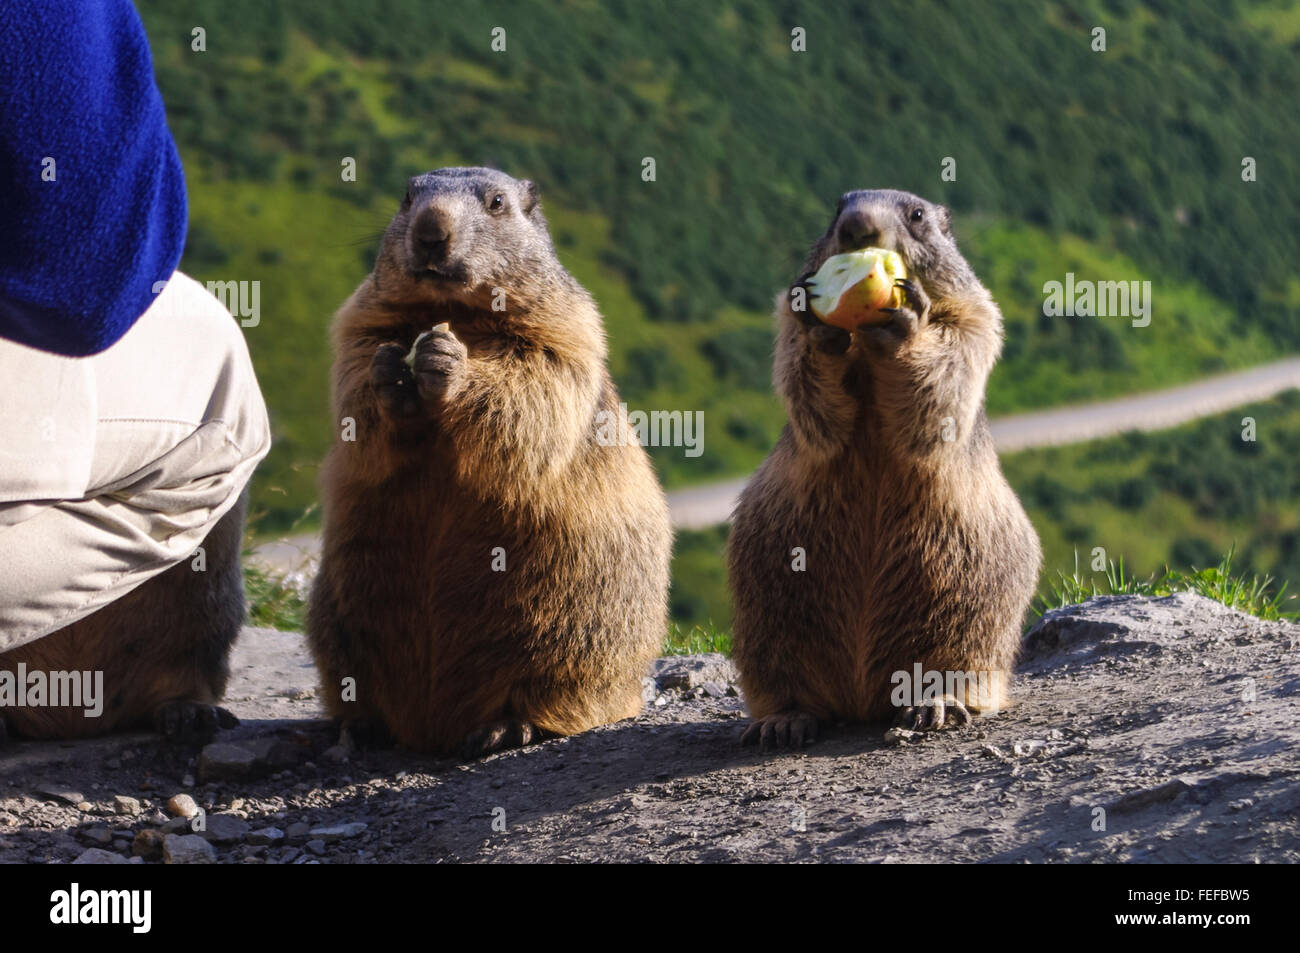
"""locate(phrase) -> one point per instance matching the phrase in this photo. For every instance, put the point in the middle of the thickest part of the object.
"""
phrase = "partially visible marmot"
(163, 649)
(880, 534)
(493, 568)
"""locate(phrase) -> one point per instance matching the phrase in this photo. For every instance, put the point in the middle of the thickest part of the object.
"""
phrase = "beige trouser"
(114, 467)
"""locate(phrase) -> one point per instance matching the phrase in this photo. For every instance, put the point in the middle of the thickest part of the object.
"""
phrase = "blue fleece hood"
(92, 194)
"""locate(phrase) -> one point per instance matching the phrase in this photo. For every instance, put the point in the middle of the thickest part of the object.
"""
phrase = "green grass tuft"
(274, 600)
(1249, 594)
(697, 639)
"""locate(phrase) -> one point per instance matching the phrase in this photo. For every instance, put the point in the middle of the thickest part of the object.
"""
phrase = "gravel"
(1144, 730)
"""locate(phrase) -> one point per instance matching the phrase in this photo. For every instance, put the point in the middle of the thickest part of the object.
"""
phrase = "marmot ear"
(945, 219)
(530, 194)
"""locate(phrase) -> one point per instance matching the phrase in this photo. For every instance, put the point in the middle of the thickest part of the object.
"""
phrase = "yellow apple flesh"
(850, 290)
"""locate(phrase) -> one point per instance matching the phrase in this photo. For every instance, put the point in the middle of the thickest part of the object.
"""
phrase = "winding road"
(703, 506)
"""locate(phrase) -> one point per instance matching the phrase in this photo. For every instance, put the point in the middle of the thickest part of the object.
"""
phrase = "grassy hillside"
(1122, 165)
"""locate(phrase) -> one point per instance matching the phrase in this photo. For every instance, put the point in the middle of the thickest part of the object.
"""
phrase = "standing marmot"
(886, 491)
(491, 569)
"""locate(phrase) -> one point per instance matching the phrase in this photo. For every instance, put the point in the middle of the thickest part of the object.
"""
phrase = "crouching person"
(130, 417)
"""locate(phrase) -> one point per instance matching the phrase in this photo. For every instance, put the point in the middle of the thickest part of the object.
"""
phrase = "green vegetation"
(1254, 595)
(274, 600)
(1123, 165)
(696, 639)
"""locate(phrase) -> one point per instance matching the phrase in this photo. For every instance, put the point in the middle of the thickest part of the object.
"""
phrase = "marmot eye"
(918, 214)
(498, 203)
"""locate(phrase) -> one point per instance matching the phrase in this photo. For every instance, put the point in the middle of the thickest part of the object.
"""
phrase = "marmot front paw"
(438, 363)
(905, 321)
(191, 722)
(825, 338)
(393, 381)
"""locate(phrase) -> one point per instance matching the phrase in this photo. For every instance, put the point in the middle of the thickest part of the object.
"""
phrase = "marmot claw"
(933, 715)
(786, 729)
(190, 721)
(914, 297)
(498, 735)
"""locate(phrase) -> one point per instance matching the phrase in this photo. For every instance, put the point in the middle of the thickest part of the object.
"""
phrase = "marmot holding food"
(494, 565)
(880, 534)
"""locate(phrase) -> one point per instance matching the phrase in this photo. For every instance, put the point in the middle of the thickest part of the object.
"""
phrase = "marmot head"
(920, 231)
(463, 233)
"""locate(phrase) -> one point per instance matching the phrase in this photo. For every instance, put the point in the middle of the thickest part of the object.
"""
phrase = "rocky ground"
(1146, 730)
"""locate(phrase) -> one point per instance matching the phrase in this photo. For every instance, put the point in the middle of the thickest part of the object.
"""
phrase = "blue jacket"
(92, 195)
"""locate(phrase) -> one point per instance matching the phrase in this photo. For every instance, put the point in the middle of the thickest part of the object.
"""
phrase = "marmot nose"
(430, 238)
(857, 229)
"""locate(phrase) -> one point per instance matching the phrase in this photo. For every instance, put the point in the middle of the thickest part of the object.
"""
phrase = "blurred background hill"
(1122, 165)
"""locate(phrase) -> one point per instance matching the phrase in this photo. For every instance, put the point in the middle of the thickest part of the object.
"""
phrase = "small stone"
(1138, 800)
(188, 849)
(297, 831)
(148, 844)
(1025, 749)
(992, 751)
(316, 847)
(336, 754)
(237, 804)
(225, 828)
(338, 832)
(97, 835)
(714, 689)
(224, 760)
(176, 825)
(97, 855)
(62, 794)
(187, 781)
(85, 806)
(125, 805)
(182, 805)
(266, 836)
(682, 672)
(898, 736)
(289, 855)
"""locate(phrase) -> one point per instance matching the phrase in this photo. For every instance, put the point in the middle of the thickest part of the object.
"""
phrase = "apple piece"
(851, 289)
(410, 355)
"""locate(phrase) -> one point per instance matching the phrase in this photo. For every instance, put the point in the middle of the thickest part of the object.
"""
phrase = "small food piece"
(410, 355)
(851, 289)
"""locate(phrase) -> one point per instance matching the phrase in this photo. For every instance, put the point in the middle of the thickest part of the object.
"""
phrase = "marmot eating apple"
(492, 569)
(880, 534)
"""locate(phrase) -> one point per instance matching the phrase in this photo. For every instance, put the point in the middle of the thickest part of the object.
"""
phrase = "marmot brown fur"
(163, 649)
(491, 569)
(880, 534)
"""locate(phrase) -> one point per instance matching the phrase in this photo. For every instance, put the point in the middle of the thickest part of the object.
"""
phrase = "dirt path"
(1134, 707)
